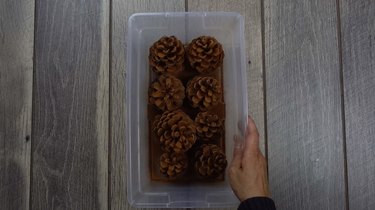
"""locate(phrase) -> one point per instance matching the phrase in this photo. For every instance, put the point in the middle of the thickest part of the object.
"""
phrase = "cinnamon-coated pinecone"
(205, 54)
(210, 161)
(167, 93)
(173, 164)
(176, 131)
(204, 92)
(167, 55)
(209, 125)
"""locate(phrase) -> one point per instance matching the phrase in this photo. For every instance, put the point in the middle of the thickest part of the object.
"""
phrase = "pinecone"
(173, 164)
(167, 55)
(176, 131)
(208, 125)
(167, 93)
(203, 92)
(210, 161)
(205, 54)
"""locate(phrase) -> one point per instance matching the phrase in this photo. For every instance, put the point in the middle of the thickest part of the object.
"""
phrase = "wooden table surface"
(311, 84)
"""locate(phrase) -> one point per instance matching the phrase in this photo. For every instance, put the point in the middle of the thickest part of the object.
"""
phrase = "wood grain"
(121, 11)
(16, 76)
(358, 57)
(304, 121)
(251, 12)
(70, 105)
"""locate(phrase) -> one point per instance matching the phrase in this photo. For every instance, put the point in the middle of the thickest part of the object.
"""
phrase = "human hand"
(248, 169)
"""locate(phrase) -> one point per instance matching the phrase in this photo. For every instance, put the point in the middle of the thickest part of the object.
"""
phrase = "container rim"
(134, 197)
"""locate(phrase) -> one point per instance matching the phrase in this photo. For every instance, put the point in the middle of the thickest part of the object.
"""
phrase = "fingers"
(237, 153)
(251, 139)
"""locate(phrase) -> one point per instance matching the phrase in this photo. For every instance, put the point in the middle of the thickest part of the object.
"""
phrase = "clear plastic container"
(143, 30)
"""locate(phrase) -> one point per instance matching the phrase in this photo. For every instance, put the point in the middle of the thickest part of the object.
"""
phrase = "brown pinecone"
(205, 54)
(203, 92)
(167, 55)
(176, 131)
(173, 164)
(210, 161)
(208, 125)
(167, 93)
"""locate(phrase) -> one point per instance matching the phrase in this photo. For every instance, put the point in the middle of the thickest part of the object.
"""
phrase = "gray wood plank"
(251, 12)
(304, 118)
(358, 57)
(16, 76)
(121, 11)
(70, 105)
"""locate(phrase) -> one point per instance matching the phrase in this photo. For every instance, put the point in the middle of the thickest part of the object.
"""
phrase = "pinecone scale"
(176, 131)
(173, 164)
(167, 55)
(167, 93)
(209, 125)
(205, 54)
(210, 161)
(204, 92)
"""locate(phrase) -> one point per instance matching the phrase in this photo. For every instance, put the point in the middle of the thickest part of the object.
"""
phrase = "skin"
(248, 169)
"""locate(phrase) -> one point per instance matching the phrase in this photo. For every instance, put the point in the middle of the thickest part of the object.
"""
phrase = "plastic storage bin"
(143, 30)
